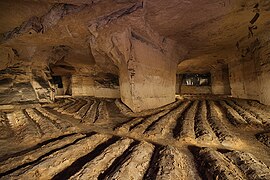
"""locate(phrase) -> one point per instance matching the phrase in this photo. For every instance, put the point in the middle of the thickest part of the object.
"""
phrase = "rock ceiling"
(207, 32)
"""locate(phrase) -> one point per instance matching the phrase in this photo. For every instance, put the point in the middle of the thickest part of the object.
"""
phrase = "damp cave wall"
(250, 74)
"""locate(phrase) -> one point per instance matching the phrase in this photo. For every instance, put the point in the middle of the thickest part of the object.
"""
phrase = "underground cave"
(135, 89)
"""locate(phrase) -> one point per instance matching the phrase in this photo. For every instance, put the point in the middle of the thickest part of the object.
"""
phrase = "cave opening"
(197, 79)
(62, 85)
(57, 80)
(194, 83)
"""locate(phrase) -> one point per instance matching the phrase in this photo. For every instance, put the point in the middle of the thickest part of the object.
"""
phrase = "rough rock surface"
(132, 49)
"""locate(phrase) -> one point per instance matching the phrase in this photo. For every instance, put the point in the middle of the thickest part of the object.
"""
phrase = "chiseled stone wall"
(220, 80)
(147, 65)
(264, 72)
(85, 86)
(250, 76)
(151, 78)
(265, 85)
(244, 80)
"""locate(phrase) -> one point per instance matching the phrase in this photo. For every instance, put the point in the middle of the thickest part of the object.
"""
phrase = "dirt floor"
(87, 138)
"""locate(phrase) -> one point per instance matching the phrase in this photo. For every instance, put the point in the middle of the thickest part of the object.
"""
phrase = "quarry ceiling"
(59, 31)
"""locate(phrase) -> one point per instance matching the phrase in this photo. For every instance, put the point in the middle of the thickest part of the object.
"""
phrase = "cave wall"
(244, 79)
(264, 71)
(15, 86)
(15, 77)
(237, 80)
(250, 73)
(83, 85)
(264, 78)
(40, 83)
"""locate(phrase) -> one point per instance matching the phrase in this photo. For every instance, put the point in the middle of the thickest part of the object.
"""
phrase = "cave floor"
(88, 138)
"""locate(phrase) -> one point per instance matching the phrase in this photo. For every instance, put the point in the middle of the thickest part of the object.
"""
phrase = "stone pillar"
(147, 62)
(220, 80)
(66, 81)
(147, 66)
(265, 85)
(178, 83)
(148, 79)
(237, 79)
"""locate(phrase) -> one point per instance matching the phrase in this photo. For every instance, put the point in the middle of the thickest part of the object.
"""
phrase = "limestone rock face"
(146, 62)
(83, 47)
(15, 85)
